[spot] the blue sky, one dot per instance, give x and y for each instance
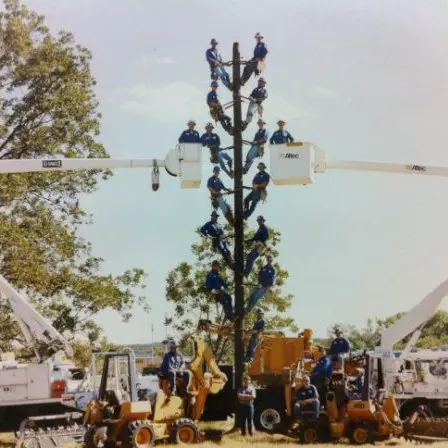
(362, 80)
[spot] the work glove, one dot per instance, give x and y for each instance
(215, 291)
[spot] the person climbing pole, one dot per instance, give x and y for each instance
(260, 238)
(216, 285)
(258, 95)
(216, 109)
(266, 279)
(213, 230)
(281, 135)
(257, 148)
(215, 186)
(217, 154)
(190, 135)
(217, 70)
(259, 184)
(260, 53)
(257, 330)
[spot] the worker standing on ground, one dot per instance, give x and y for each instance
(213, 230)
(258, 95)
(215, 186)
(340, 348)
(260, 53)
(217, 155)
(246, 396)
(260, 238)
(257, 330)
(307, 399)
(281, 135)
(190, 135)
(173, 365)
(322, 373)
(216, 285)
(214, 60)
(216, 109)
(266, 279)
(259, 184)
(257, 148)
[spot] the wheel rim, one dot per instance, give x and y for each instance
(186, 434)
(143, 438)
(360, 435)
(310, 435)
(269, 418)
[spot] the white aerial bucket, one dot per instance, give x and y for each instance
(292, 163)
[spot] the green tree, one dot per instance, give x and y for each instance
(185, 290)
(48, 109)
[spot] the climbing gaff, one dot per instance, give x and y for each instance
(155, 177)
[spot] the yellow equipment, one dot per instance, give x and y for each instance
(117, 416)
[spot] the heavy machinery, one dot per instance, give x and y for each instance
(117, 416)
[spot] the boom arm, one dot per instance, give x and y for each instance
(39, 333)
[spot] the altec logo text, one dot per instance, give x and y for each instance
(288, 155)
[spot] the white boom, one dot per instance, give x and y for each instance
(38, 332)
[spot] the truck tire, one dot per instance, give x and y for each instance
(268, 416)
(185, 432)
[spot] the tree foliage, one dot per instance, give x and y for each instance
(185, 290)
(48, 109)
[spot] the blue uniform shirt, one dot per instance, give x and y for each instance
(212, 229)
(212, 55)
(212, 97)
(259, 325)
(190, 136)
(279, 137)
(261, 134)
(249, 390)
(261, 177)
(305, 393)
(210, 140)
(266, 276)
(322, 370)
(262, 234)
(260, 51)
(171, 362)
(214, 281)
(215, 184)
(339, 346)
(259, 93)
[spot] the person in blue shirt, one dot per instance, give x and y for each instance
(246, 396)
(190, 135)
(216, 285)
(260, 238)
(217, 70)
(257, 148)
(322, 373)
(217, 155)
(213, 230)
(281, 135)
(340, 348)
(216, 187)
(258, 95)
(307, 399)
(257, 329)
(356, 386)
(266, 279)
(173, 365)
(259, 184)
(216, 109)
(260, 53)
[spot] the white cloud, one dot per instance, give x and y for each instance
(328, 94)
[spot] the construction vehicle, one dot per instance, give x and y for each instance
(117, 416)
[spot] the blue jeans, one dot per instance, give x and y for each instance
(172, 379)
(251, 109)
(251, 257)
(257, 294)
(222, 204)
(251, 348)
(314, 406)
(221, 247)
(252, 198)
(222, 74)
(223, 157)
(246, 416)
(254, 151)
(226, 301)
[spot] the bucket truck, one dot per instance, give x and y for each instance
(415, 377)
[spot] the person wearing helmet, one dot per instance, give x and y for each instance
(216, 285)
(173, 365)
(281, 135)
(215, 186)
(257, 330)
(213, 230)
(217, 70)
(258, 95)
(266, 279)
(340, 349)
(260, 53)
(260, 238)
(216, 109)
(190, 135)
(259, 184)
(217, 154)
(322, 372)
(257, 148)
